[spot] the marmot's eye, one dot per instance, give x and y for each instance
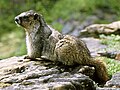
(35, 16)
(25, 17)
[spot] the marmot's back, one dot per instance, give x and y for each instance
(71, 50)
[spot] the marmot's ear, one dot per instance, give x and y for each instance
(36, 16)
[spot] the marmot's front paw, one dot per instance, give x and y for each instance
(32, 59)
(26, 57)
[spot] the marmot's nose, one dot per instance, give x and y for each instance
(17, 20)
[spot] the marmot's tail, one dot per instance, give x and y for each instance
(100, 69)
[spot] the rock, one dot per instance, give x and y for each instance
(94, 45)
(110, 54)
(96, 29)
(114, 82)
(105, 88)
(75, 33)
(17, 73)
(88, 21)
(74, 27)
(68, 27)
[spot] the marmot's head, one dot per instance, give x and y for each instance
(29, 19)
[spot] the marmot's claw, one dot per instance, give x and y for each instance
(32, 59)
(26, 57)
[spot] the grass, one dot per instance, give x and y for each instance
(112, 41)
(113, 66)
(12, 44)
(113, 44)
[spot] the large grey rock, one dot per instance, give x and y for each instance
(94, 45)
(115, 81)
(112, 84)
(17, 73)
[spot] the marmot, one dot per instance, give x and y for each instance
(45, 42)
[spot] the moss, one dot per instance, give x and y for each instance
(3, 85)
(27, 83)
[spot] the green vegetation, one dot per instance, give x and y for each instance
(12, 38)
(113, 66)
(112, 41)
(3, 85)
(113, 44)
